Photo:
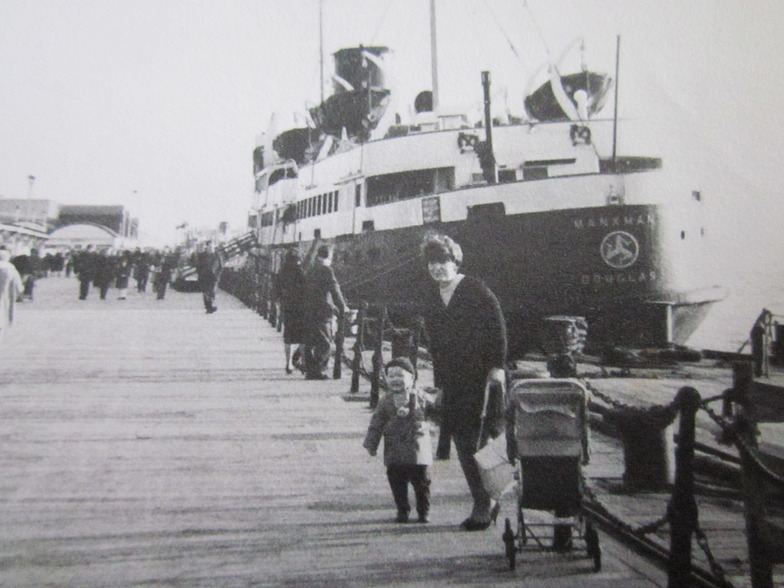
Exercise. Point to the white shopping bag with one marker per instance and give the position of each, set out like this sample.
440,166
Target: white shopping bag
494,468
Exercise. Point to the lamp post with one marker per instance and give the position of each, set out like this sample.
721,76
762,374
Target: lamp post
29,215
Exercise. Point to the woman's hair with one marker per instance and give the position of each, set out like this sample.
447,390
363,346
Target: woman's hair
440,248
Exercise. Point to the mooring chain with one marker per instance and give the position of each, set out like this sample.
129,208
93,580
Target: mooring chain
716,569
639,531
667,412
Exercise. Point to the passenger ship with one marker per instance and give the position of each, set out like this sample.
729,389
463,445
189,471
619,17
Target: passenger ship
553,227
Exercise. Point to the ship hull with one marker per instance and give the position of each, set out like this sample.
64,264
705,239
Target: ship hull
605,264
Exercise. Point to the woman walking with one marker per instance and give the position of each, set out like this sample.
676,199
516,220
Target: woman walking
292,289
467,335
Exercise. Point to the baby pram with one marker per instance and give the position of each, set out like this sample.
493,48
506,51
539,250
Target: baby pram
547,434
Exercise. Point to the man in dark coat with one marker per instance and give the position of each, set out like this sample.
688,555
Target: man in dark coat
85,265
324,298
105,272
209,266
163,276
467,341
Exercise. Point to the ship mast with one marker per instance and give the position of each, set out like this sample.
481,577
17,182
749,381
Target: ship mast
434,54
321,49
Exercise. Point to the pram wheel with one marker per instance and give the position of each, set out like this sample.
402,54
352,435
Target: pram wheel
593,547
509,541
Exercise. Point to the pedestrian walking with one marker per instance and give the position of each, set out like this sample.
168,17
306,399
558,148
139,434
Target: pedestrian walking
104,272
209,266
10,286
400,418
324,300
85,265
141,270
467,341
163,272
292,291
123,272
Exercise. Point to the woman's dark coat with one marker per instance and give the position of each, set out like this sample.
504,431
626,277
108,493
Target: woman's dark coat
467,339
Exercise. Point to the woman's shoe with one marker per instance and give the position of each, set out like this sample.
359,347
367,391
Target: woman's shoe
473,525
288,370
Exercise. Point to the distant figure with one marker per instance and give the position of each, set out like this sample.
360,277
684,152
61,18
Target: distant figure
209,266
10,286
123,273
29,267
292,290
141,270
85,264
163,272
408,451
324,299
104,272
467,334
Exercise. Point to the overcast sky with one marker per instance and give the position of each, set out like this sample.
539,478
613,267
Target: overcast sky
157,104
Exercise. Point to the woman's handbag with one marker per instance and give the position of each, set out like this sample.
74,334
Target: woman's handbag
496,471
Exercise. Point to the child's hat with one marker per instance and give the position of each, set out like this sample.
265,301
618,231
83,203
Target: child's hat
401,362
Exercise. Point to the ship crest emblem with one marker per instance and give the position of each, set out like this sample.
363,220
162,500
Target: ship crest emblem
619,249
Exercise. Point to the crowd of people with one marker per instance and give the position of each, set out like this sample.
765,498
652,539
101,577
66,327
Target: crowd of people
105,269
102,269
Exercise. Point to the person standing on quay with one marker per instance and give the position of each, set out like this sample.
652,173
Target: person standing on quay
163,273
124,269
85,265
292,289
467,335
324,299
104,272
209,266
10,286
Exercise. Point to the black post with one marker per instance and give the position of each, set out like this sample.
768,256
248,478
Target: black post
378,360
359,344
418,326
490,172
682,511
340,338
758,349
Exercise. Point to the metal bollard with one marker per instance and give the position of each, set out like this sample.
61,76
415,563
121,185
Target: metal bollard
378,359
359,344
340,337
682,511
759,352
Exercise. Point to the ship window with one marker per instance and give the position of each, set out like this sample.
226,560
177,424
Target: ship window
368,226
358,195
404,185
534,172
317,233
506,175
486,211
329,201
